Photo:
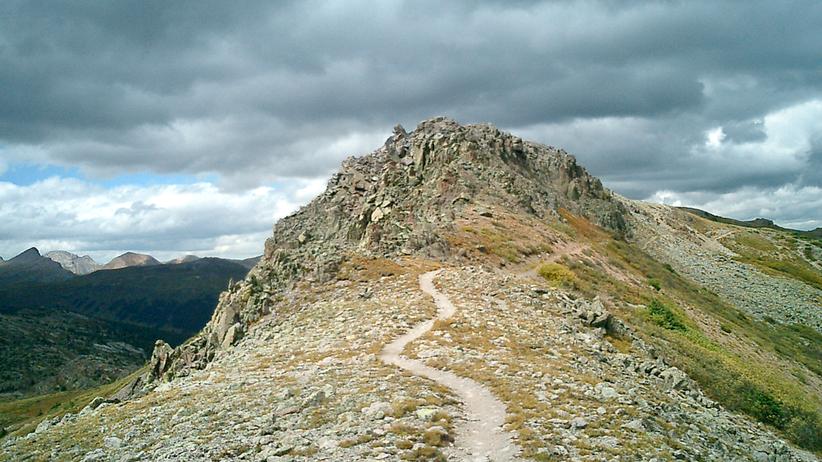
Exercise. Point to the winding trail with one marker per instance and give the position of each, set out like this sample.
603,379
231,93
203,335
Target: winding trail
481,437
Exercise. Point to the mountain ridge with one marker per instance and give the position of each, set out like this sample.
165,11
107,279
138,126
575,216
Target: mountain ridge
604,327
30,266
754,223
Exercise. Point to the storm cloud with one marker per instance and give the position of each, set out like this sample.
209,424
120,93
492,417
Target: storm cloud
692,101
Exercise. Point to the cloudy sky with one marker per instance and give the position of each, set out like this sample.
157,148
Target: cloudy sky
190,126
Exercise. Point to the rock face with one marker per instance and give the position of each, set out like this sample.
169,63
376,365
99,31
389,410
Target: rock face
74,263
402,199
131,259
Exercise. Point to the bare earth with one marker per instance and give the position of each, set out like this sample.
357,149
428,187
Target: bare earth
481,437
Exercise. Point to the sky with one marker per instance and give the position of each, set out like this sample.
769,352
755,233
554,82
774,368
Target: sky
191,126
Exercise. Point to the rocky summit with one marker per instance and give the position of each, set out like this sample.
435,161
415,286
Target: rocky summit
463,294
74,263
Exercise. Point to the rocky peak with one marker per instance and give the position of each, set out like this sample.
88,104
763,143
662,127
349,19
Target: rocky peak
28,256
74,263
402,199
131,259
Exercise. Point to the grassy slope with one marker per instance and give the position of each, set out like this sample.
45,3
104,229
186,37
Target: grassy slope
762,369
779,253
20,417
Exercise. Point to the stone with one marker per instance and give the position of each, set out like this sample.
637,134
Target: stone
378,410
233,335
112,442
607,442
426,413
377,215
606,392
635,425
94,456
675,379
96,402
578,422
160,359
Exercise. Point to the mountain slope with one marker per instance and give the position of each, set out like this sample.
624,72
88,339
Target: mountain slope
595,348
43,351
174,299
92,329
31,267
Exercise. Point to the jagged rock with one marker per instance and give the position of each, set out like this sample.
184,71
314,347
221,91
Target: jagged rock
675,379
232,335
160,360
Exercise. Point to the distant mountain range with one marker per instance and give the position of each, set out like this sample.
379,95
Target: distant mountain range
31,266
67,322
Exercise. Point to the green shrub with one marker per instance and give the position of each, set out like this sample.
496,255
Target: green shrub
655,284
557,275
664,317
763,406
805,428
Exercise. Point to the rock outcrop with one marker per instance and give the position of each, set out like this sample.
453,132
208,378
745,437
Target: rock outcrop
402,199
74,263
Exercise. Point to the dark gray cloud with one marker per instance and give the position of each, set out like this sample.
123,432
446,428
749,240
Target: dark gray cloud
260,91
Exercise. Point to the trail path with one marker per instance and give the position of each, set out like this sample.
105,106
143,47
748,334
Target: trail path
481,437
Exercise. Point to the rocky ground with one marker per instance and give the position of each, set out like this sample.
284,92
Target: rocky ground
572,392
308,385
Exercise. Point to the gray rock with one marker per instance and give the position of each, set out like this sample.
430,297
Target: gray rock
112,442
578,422
606,392
377,411
675,379
233,335
635,425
